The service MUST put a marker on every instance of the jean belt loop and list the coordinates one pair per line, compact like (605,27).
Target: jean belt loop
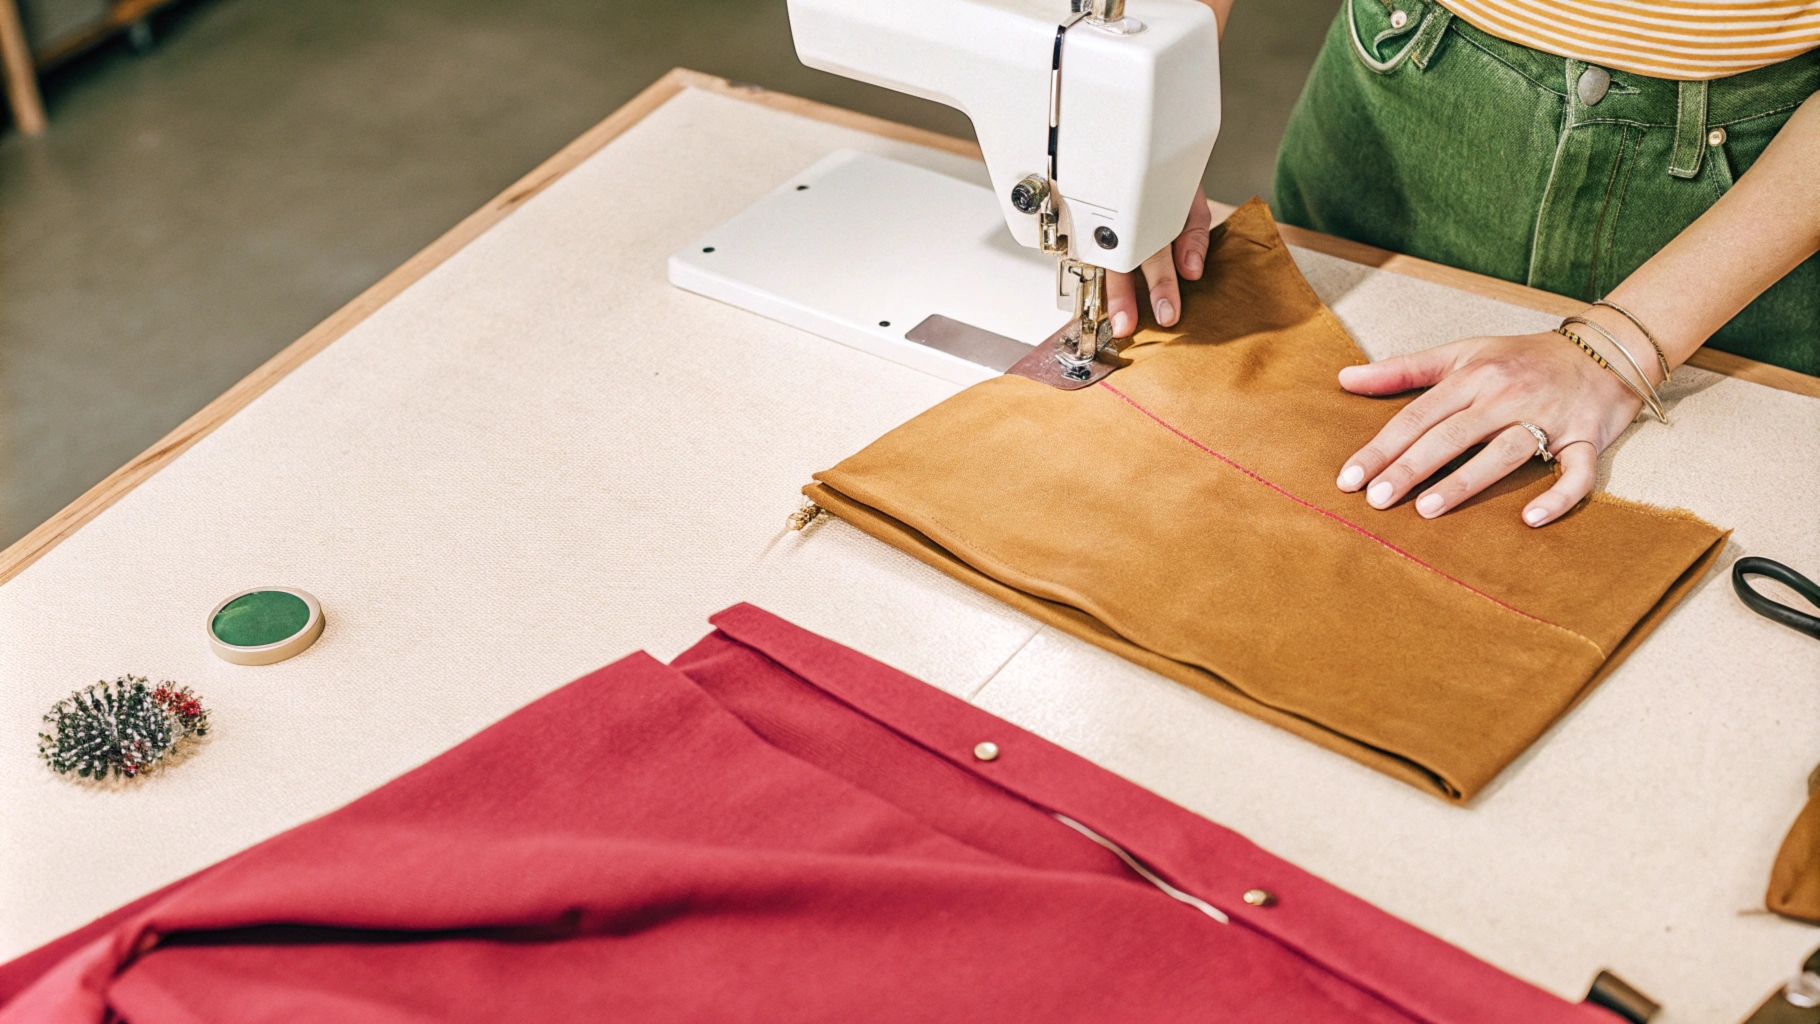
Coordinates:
(1428,37)
(1690,130)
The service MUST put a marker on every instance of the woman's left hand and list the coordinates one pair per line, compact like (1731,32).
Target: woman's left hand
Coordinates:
(1481,389)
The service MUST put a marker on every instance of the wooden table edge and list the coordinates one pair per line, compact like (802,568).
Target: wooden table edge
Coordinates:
(47,535)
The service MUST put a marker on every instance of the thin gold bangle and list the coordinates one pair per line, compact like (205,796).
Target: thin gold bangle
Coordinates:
(1620,346)
(1597,358)
(1654,400)
(1661,357)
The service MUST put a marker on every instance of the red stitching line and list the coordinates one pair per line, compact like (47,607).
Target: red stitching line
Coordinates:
(1349,524)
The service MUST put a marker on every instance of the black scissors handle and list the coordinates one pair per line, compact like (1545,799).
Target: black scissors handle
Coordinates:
(1776,611)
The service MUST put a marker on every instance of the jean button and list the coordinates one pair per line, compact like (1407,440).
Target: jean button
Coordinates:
(1399,18)
(1592,85)
(1716,137)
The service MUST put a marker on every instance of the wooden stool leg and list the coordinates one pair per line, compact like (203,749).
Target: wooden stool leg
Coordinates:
(21,76)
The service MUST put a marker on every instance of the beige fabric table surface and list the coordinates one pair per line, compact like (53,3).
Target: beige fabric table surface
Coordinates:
(541,457)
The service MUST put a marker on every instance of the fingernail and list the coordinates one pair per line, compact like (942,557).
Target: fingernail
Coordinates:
(1121,323)
(1193,263)
(1351,477)
(1379,495)
(1430,505)
(1165,313)
(1535,516)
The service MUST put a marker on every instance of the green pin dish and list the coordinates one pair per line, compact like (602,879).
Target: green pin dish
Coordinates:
(264,625)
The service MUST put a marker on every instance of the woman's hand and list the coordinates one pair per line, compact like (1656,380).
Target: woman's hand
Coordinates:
(1480,389)
(1185,257)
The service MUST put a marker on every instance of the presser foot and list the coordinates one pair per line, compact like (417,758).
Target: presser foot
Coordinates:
(1056,363)
(1081,352)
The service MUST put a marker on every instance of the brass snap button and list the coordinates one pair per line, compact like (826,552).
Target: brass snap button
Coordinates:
(1716,137)
(1260,897)
(987,751)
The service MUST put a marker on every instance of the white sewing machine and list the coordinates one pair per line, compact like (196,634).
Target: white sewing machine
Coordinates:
(1096,122)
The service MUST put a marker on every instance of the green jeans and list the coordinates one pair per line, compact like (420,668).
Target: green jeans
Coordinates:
(1421,134)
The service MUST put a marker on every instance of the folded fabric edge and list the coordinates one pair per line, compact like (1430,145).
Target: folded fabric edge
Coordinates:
(1428,979)
(18,974)
(1083,626)
(1405,965)
(1252,222)
(1671,597)
(1797,858)
(22,977)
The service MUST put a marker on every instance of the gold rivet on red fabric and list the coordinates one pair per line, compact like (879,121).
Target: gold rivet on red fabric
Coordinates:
(1260,897)
(987,751)
(1716,137)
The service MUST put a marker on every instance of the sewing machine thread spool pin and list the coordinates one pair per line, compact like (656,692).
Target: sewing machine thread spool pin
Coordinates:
(1107,16)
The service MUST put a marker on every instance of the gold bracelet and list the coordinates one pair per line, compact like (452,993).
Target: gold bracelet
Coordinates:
(1661,358)
(1647,399)
(1621,347)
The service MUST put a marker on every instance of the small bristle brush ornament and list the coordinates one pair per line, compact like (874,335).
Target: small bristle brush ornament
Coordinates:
(123,728)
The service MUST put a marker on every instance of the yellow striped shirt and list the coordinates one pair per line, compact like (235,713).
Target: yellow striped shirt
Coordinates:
(1680,39)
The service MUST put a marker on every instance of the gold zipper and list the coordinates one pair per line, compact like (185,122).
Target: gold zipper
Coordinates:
(809,513)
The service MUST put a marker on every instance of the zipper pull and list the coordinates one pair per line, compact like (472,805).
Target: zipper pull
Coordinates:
(802,517)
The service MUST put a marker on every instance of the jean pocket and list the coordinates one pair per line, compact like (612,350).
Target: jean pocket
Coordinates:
(1369,55)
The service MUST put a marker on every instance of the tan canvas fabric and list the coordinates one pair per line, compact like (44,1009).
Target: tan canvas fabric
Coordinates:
(1794,882)
(1183,514)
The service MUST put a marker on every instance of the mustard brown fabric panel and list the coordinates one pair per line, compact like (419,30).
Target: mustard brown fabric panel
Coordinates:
(1794,882)
(1182,513)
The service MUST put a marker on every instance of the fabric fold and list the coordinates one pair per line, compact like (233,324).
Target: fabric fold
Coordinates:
(1794,881)
(773,827)
(1182,513)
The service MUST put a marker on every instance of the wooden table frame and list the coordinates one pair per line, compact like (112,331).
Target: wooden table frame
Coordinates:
(21,74)
(51,532)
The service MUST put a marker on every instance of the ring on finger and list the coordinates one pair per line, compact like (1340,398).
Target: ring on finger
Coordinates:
(1541,437)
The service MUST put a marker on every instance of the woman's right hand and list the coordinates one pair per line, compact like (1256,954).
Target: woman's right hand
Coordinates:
(1186,257)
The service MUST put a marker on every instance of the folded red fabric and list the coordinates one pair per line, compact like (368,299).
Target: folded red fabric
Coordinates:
(774,827)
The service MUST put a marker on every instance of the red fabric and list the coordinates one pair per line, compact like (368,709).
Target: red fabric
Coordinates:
(772,828)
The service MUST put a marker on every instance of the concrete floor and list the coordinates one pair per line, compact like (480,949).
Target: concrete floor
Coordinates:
(193,210)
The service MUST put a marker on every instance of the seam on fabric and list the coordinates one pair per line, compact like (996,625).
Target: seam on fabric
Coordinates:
(1629,122)
(1605,209)
(1382,67)
(1349,524)
(1431,36)
(1753,117)
(1519,72)
(1548,191)
(1630,169)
